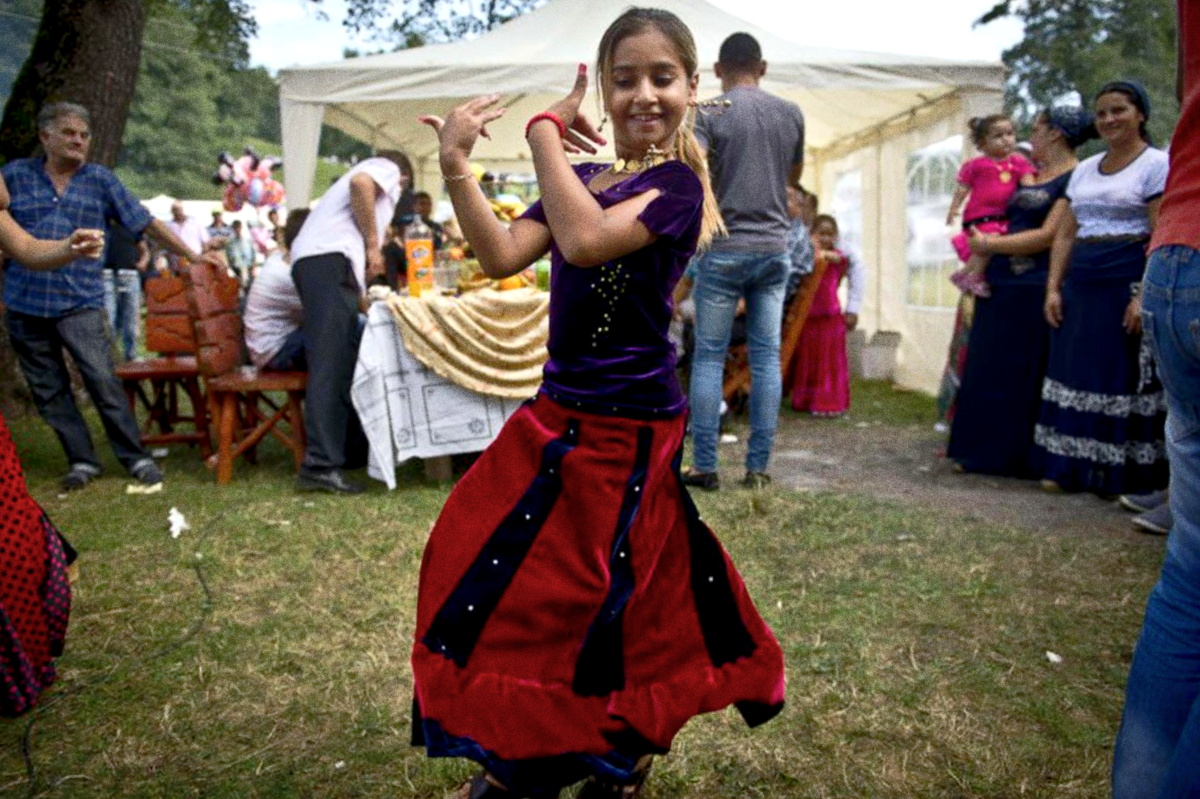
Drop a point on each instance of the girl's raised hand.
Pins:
(463, 126)
(582, 135)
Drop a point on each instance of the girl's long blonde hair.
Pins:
(687, 149)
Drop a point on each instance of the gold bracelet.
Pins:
(453, 178)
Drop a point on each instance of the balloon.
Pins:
(248, 179)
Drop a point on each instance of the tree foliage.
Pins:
(1079, 45)
(413, 22)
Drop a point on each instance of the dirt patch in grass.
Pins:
(865, 455)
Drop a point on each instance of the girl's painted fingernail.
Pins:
(583, 69)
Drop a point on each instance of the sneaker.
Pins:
(78, 476)
(329, 480)
(756, 480)
(706, 481)
(147, 472)
(1140, 503)
(1157, 521)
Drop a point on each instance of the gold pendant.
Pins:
(1005, 177)
(652, 158)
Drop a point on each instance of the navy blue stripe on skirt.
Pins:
(1100, 428)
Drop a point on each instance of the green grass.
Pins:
(264, 653)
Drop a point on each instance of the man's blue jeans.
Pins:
(39, 343)
(123, 303)
(723, 278)
(1158, 746)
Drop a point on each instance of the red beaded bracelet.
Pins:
(550, 115)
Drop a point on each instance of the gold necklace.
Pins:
(652, 158)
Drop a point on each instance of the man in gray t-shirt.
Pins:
(755, 150)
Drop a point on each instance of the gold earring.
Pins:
(603, 122)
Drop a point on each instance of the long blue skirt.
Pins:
(1101, 423)
(1000, 397)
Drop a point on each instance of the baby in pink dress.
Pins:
(990, 180)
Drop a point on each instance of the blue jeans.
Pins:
(39, 343)
(123, 303)
(723, 278)
(1158, 746)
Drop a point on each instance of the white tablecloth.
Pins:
(408, 411)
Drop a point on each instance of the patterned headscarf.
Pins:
(1074, 122)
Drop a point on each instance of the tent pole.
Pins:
(879, 232)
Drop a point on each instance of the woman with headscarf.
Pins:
(1001, 389)
(35, 595)
(1101, 423)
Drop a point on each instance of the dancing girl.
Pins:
(574, 611)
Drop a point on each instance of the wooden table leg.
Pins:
(439, 469)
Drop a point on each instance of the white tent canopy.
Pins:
(867, 115)
(531, 61)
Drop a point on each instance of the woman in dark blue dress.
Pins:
(1001, 390)
(1100, 428)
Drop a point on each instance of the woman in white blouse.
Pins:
(1100, 428)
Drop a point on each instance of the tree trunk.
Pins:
(86, 52)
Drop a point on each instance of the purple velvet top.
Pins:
(609, 351)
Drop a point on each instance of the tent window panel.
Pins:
(847, 209)
(932, 176)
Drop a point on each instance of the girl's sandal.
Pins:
(485, 786)
(481, 786)
(597, 788)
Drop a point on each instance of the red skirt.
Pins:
(35, 594)
(574, 612)
(820, 370)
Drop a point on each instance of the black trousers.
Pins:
(329, 293)
(39, 343)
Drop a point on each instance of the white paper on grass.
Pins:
(177, 522)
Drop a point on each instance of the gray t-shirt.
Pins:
(752, 146)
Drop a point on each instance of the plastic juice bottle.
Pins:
(418, 255)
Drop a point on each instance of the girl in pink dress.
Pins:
(990, 180)
(820, 372)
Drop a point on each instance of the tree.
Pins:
(1079, 45)
(422, 21)
(89, 51)
(85, 51)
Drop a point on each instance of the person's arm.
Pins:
(364, 191)
(1060, 256)
(158, 230)
(587, 234)
(39, 254)
(1132, 319)
(1027, 242)
(960, 196)
(501, 251)
(143, 259)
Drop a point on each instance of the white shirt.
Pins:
(1115, 204)
(190, 232)
(330, 228)
(273, 310)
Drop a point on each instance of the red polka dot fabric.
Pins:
(35, 594)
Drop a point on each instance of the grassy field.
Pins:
(264, 653)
